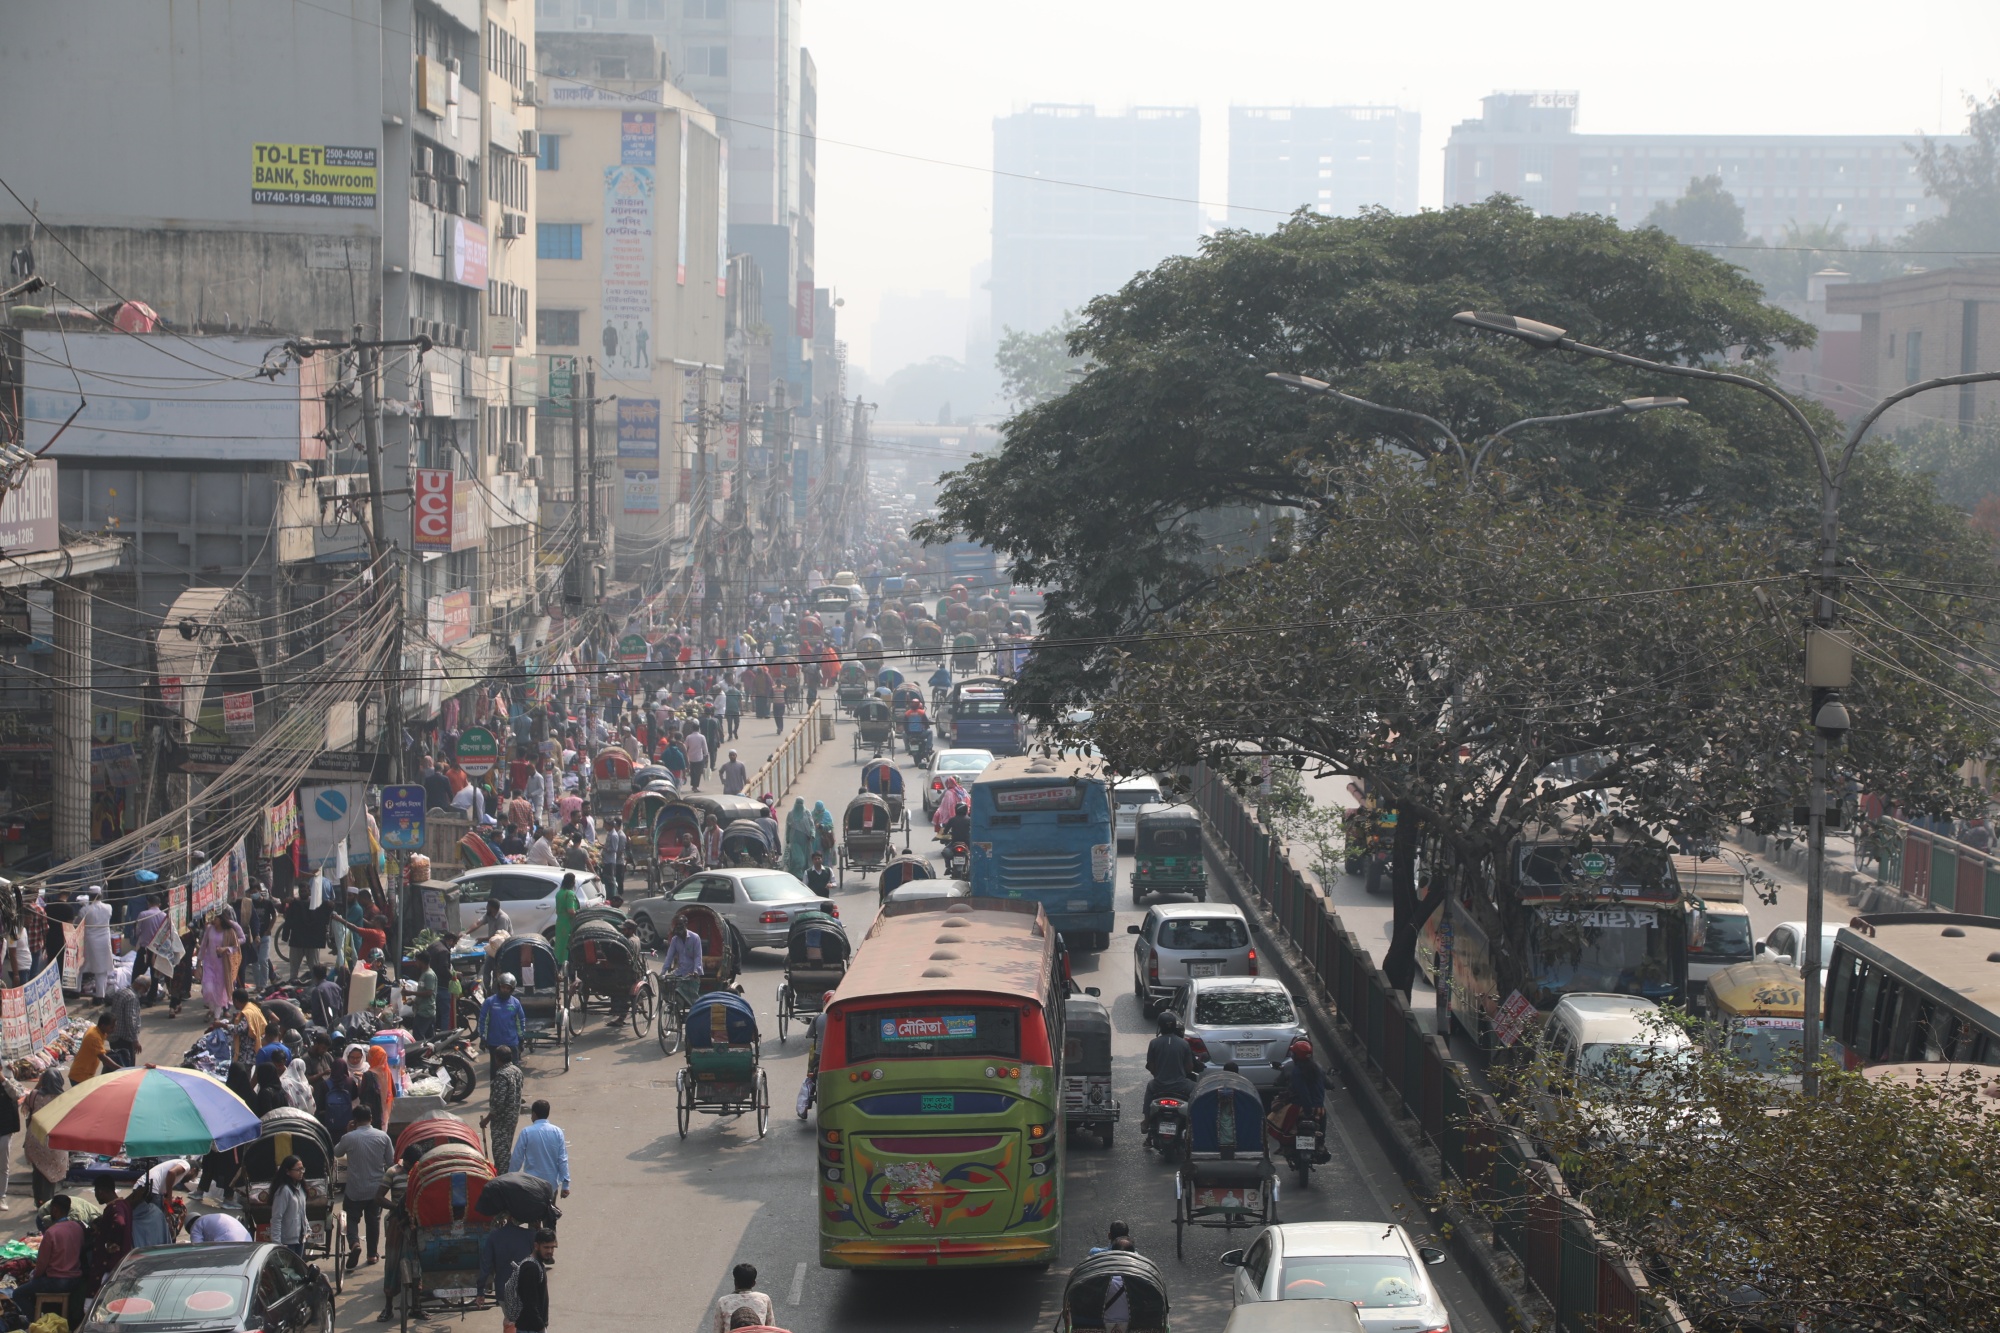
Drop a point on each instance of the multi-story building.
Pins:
(1083, 201)
(741, 59)
(633, 274)
(1527, 145)
(1916, 327)
(282, 173)
(1332, 159)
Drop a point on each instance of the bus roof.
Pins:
(1955, 953)
(1042, 768)
(996, 946)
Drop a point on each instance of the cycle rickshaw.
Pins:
(874, 728)
(438, 1259)
(903, 870)
(538, 985)
(1086, 1292)
(927, 638)
(722, 1075)
(851, 685)
(607, 964)
(719, 966)
(287, 1132)
(867, 835)
(816, 955)
(1225, 1178)
(745, 843)
(884, 779)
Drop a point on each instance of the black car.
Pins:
(213, 1289)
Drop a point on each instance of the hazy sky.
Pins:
(926, 78)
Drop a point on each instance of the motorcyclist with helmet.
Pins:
(1300, 1096)
(1172, 1065)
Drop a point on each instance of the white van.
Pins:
(1126, 800)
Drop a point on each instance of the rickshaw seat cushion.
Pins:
(1237, 1171)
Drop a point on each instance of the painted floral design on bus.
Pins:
(918, 1191)
(1040, 1204)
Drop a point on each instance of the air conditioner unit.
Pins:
(513, 226)
(533, 471)
(427, 191)
(531, 143)
(531, 95)
(426, 161)
(448, 168)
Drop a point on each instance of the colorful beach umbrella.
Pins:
(146, 1113)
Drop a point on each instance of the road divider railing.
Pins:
(789, 760)
(1588, 1286)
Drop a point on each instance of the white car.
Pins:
(1373, 1265)
(1787, 944)
(1127, 798)
(758, 903)
(965, 765)
(527, 895)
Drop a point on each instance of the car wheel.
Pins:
(649, 934)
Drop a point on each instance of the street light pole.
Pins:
(1471, 462)
(1829, 659)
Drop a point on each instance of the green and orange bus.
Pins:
(940, 1092)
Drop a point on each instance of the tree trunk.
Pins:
(1411, 910)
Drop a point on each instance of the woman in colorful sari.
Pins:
(221, 954)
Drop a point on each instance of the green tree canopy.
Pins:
(1706, 215)
(1035, 367)
(1967, 178)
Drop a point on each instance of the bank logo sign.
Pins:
(313, 175)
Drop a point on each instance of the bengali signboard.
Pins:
(478, 751)
(403, 818)
(72, 955)
(638, 135)
(281, 825)
(626, 282)
(239, 712)
(639, 429)
(641, 492)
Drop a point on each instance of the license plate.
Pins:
(1079, 904)
(1168, 1129)
(1204, 969)
(1249, 1050)
(455, 1293)
(1306, 1142)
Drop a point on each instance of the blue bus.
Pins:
(1041, 831)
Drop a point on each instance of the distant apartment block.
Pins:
(1083, 201)
(1336, 160)
(1527, 145)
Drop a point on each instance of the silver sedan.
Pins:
(758, 903)
(1247, 1021)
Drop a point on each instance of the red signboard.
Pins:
(468, 254)
(457, 617)
(804, 311)
(239, 711)
(431, 512)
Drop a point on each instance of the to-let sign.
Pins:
(313, 175)
(430, 515)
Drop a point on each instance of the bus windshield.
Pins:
(933, 1031)
(1622, 950)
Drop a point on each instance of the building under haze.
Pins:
(1332, 159)
(1527, 145)
(1083, 201)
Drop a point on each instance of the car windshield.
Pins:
(1169, 841)
(1208, 932)
(1241, 1008)
(508, 889)
(1365, 1279)
(1625, 950)
(1135, 797)
(963, 763)
(774, 888)
(172, 1298)
(1634, 1062)
(1769, 1045)
(982, 708)
(1715, 937)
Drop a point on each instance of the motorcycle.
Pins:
(1305, 1146)
(447, 1057)
(957, 861)
(1166, 1124)
(919, 747)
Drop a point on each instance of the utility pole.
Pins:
(378, 542)
(576, 410)
(590, 436)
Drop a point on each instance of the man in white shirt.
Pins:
(540, 853)
(470, 801)
(696, 746)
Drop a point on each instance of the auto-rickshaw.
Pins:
(1090, 1104)
(1166, 853)
(1759, 1016)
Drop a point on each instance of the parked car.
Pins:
(1251, 1020)
(213, 1288)
(527, 894)
(758, 903)
(1373, 1265)
(965, 765)
(1178, 942)
(1787, 944)
(1126, 798)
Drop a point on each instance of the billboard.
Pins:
(466, 264)
(431, 512)
(310, 175)
(638, 132)
(28, 514)
(199, 402)
(639, 428)
(642, 491)
(626, 282)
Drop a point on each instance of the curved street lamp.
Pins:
(1830, 720)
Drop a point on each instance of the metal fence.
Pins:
(1560, 1250)
(1936, 868)
(789, 760)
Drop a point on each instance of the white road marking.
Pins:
(798, 1284)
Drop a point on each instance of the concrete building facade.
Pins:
(1918, 327)
(1526, 144)
(1335, 160)
(1082, 202)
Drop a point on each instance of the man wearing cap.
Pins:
(96, 919)
(502, 1019)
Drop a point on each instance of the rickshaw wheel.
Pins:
(857, 747)
(562, 1031)
(784, 1008)
(1180, 1223)
(684, 1102)
(337, 1225)
(643, 1003)
(763, 1105)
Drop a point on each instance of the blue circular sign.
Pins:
(331, 805)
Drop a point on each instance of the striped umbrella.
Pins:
(146, 1113)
